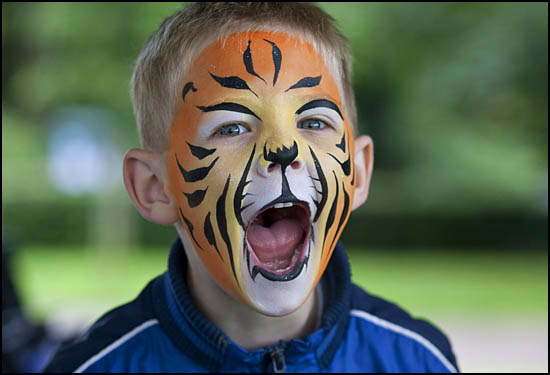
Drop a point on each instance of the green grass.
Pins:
(51, 277)
(423, 282)
(456, 282)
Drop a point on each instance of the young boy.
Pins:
(247, 120)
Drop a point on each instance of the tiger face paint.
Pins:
(261, 164)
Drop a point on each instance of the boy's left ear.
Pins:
(364, 159)
(146, 183)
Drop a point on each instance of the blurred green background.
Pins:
(454, 95)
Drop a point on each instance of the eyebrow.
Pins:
(234, 107)
(320, 103)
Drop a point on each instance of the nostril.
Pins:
(271, 167)
(295, 164)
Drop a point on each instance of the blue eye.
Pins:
(231, 130)
(312, 124)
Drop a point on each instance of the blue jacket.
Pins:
(163, 331)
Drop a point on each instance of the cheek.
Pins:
(198, 201)
(190, 178)
(204, 183)
(336, 163)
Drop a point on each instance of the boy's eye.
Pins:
(232, 130)
(312, 124)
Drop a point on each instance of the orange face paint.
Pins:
(261, 164)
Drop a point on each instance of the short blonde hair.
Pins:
(167, 55)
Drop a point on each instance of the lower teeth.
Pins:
(282, 265)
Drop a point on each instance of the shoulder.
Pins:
(114, 332)
(416, 344)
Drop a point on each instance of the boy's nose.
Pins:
(284, 158)
(295, 166)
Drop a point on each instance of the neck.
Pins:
(243, 325)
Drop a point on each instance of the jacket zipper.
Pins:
(276, 362)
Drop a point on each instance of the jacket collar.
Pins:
(201, 340)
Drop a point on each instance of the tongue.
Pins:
(277, 242)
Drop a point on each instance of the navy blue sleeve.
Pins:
(383, 309)
(104, 331)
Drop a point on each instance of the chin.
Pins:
(275, 298)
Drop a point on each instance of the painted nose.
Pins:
(285, 158)
(295, 165)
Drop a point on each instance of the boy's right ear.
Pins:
(147, 185)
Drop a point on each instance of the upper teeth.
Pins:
(282, 205)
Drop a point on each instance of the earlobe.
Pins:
(145, 182)
(363, 163)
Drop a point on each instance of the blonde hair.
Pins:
(165, 58)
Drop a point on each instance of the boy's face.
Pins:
(261, 164)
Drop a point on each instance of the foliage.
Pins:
(455, 97)
(453, 94)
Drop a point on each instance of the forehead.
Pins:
(267, 62)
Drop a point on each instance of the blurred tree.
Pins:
(454, 95)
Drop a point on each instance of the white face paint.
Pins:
(292, 275)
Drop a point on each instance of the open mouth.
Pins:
(277, 239)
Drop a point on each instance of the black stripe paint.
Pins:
(195, 174)
(277, 58)
(275, 277)
(200, 152)
(247, 250)
(343, 215)
(342, 144)
(346, 166)
(222, 225)
(209, 234)
(188, 86)
(190, 226)
(324, 186)
(237, 201)
(247, 58)
(320, 103)
(305, 82)
(232, 82)
(331, 215)
(195, 198)
(282, 156)
(229, 107)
